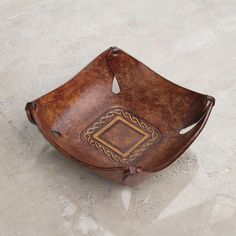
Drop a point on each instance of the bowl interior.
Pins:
(139, 125)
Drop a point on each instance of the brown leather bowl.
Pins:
(127, 134)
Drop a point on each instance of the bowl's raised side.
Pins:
(122, 135)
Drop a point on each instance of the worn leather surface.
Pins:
(147, 102)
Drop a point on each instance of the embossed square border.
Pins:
(119, 118)
(88, 133)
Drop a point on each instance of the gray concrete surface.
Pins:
(43, 44)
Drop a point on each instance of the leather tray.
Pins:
(124, 135)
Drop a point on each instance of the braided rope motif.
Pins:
(88, 135)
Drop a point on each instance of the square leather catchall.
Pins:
(120, 118)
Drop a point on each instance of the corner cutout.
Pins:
(188, 128)
(115, 86)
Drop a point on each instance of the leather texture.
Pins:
(124, 136)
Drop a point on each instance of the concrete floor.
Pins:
(43, 44)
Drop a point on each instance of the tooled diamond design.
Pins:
(121, 135)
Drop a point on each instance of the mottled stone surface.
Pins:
(43, 44)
